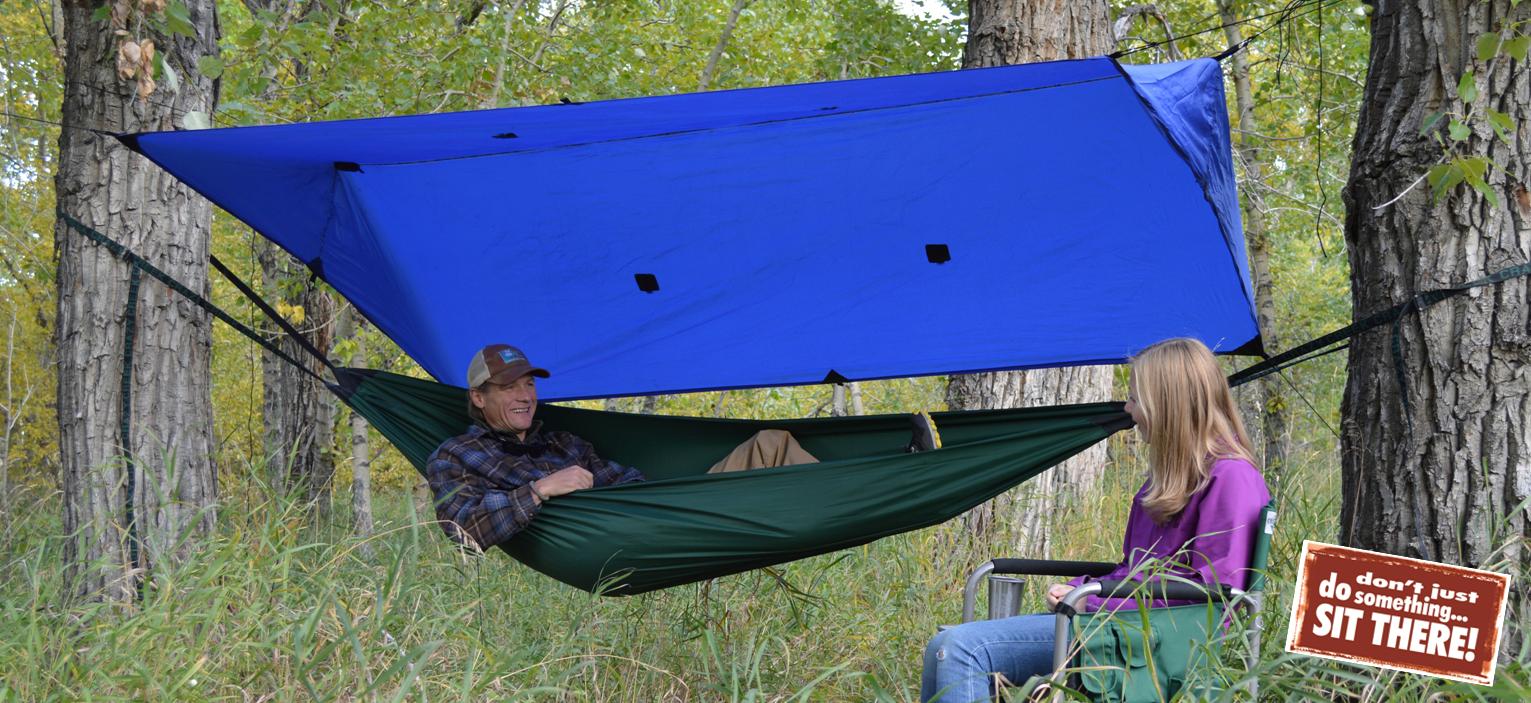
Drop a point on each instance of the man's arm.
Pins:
(606, 473)
(469, 508)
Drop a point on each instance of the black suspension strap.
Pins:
(138, 262)
(1391, 315)
(129, 331)
(273, 314)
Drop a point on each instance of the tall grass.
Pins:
(278, 608)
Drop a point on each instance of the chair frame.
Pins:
(1116, 588)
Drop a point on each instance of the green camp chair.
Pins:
(1134, 655)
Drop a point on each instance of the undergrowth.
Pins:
(280, 606)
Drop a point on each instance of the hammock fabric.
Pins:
(683, 525)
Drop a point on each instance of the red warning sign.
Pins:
(1399, 613)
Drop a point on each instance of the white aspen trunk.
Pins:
(1273, 413)
(297, 410)
(361, 454)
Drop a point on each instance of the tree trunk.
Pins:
(1004, 32)
(361, 448)
(12, 410)
(298, 411)
(1274, 412)
(104, 185)
(1442, 477)
(711, 68)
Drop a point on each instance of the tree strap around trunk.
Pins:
(1310, 350)
(129, 331)
(1393, 316)
(138, 262)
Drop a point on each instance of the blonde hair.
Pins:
(1191, 421)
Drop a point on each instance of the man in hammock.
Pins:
(490, 482)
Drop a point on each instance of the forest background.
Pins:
(288, 601)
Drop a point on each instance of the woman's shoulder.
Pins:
(1236, 473)
(1234, 466)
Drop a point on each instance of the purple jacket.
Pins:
(1210, 541)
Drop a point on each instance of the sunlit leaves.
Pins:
(1431, 122)
(210, 66)
(1488, 46)
(1467, 87)
(1470, 170)
(178, 20)
(1516, 47)
(1458, 130)
(1502, 124)
(1460, 164)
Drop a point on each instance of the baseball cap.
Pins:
(501, 363)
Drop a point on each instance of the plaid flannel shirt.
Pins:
(482, 479)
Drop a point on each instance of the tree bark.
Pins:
(1003, 32)
(711, 68)
(1006, 32)
(298, 412)
(107, 187)
(12, 413)
(1274, 414)
(1442, 477)
(361, 447)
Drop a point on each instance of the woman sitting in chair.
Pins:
(1194, 516)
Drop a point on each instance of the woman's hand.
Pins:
(1055, 593)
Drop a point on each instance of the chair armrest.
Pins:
(1032, 567)
(1050, 567)
(1166, 590)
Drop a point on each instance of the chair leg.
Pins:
(1256, 628)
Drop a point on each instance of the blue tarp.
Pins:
(1088, 209)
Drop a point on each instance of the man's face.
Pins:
(508, 407)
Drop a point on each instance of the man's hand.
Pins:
(1055, 593)
(566, 480)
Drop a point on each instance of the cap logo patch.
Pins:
(508, 356)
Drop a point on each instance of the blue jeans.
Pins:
(959, 661)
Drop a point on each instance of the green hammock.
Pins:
(684, 525)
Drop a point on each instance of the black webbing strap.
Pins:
(138, 262)
(1236, 48)
(129, 331)
(273, 314)
(1392, 315)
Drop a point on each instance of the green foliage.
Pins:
(30, 87)
(275, 606)
(178, 20)
(1459, 164)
